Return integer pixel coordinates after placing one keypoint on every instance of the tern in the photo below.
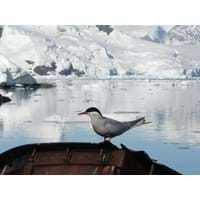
(107, 127)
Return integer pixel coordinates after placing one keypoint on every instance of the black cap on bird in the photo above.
(91, 109)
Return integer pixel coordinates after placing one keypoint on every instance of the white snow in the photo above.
(29, 53)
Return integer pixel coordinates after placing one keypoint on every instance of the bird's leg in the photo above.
(104, 139)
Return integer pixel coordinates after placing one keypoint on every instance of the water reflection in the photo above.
(50, 115)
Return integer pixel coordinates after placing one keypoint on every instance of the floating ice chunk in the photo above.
(11, 74)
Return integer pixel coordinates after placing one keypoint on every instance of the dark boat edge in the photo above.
(117, 161)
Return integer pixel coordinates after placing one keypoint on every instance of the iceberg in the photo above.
(28, 53)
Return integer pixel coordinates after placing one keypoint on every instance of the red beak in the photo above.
(82, 113)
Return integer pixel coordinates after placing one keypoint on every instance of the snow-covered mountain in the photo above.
(29, 53)
(171, 35)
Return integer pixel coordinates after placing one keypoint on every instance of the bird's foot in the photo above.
(107, 140)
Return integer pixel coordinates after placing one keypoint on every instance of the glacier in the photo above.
(32, 54)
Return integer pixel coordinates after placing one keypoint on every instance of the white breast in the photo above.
(97, 122)
(106, 127)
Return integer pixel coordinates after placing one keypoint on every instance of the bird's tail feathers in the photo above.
(139, 122)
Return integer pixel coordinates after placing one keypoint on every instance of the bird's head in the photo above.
(92, 111)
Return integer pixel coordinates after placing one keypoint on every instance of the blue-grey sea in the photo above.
(50, 115)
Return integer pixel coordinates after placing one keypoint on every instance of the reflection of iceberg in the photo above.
(173, 110)
(65, 119)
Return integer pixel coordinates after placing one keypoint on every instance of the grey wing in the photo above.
(114, 127)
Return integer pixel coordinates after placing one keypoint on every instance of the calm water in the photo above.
(50, 115)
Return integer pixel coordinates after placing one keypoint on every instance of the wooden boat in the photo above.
(79, 159)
